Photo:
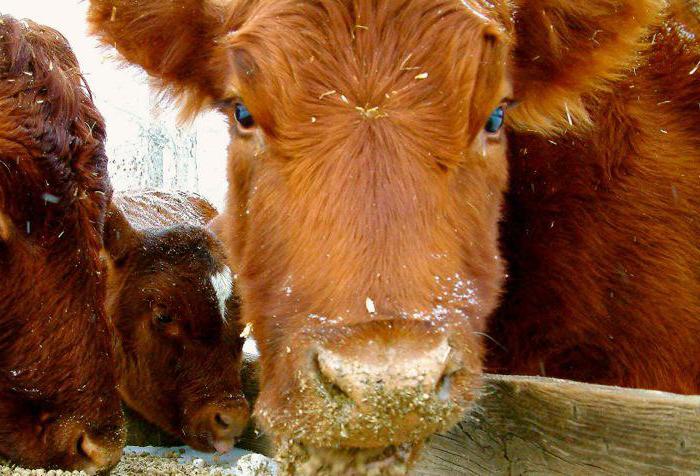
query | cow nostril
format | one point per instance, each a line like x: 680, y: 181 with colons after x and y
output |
x: 223, y: 421
x: 453, y: 366
x: 444, y: 387
x: 96, y: 456
x: 221, y: 426
x: 328, y: 380
x: 80, y: 447
x: 92, y: 454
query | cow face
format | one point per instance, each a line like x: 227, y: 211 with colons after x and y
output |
x: 366, y: 193
x: 58, y: 402
x: 366, y: 171
x: 59, y: 407
x: 170, y: 298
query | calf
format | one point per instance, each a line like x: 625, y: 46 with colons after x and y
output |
x: 169, y: 296
x: 59, y: 407
x: 367, y: 170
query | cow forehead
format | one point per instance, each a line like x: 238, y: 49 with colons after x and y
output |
x: 345, y: 31
x: 389, y: 60
x: 367, y: 10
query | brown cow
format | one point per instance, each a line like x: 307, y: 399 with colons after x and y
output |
x: 170, y: 297
x: 58, y: 401
x: 367, y: 170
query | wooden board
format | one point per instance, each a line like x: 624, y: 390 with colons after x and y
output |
x: 529, y: 425
x: 544, y: 426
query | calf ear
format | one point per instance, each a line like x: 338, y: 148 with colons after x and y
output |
x: 216, y: 225
x: 566, y: 50
x: 175, y: 41
x: 119, y: 237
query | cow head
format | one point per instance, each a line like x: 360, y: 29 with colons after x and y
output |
x: 59, y: 407
x: 170, y: 297
x: 366, y: 169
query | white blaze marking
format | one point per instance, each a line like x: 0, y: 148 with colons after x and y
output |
x: 222, y: 282
x: 251, y: 347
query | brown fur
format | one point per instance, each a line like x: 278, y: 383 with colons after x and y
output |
x: 56, y: 374
x: 687, y: 13
x: 602, y: 235
x: 178, y: 374
x: 370, y: 175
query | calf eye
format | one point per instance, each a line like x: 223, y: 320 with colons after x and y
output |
x: 244, y: 117
x: 495, y: 122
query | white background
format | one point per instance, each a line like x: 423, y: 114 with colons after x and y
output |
x: 194, y: 157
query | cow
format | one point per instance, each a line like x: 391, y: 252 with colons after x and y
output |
x: 59, y: 407
x: 372, y: 146
x: 170, y: 298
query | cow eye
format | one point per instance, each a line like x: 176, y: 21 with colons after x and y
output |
x: 164, y: 318
x: 495, y: 121
x: 243, y: 116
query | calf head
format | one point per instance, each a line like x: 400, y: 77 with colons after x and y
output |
x: 169, y: 295
x: 58, y: 401
x: 367, y: 167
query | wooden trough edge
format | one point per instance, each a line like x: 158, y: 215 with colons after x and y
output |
x: 539, y: 425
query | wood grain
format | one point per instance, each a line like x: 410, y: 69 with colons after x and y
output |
x: 528, y: 425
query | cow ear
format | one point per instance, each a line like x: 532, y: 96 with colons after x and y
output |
x: 176, y: 42
x: 568, y: 50
x: 120, y: 239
